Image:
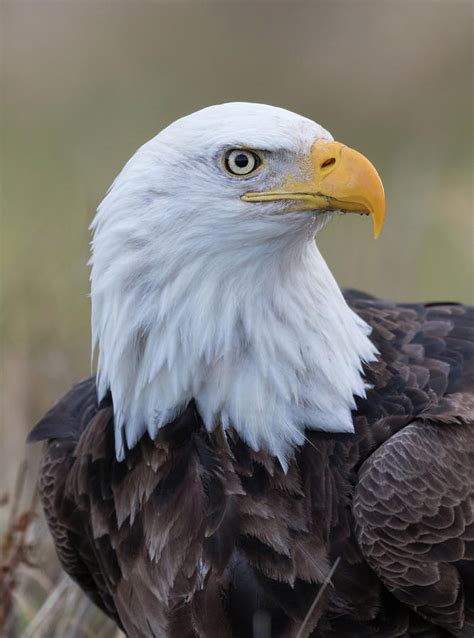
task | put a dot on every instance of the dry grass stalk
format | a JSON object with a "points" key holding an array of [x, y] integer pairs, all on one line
{"points": [[312, 609], [15, 549]]}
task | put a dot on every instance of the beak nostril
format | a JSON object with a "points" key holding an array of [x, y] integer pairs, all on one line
{"points": [[328, 162]]}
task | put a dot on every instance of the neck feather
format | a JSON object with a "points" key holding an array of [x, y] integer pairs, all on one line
{"points": [[266, 344]]}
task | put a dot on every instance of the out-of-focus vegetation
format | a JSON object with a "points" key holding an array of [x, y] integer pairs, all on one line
{"points": [[85, 83]]}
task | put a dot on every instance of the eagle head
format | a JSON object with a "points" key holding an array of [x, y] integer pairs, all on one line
{"points": [[206, 282]]}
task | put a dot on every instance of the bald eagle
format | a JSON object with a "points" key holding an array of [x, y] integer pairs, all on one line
{"points": [[260, 454]]}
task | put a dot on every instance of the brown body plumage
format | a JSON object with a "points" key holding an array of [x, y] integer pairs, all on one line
{"points": [[196, 535]]}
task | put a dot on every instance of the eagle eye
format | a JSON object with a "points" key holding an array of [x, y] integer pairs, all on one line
{"points": [[239, 161]]}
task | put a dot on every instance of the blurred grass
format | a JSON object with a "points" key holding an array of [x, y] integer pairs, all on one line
{"points": [[85, 83]]}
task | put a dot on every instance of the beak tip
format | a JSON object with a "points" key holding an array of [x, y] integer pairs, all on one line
{"points": [[378, 221]]}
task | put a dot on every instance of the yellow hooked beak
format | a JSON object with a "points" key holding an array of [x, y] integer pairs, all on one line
{"points": [[342, 179]]}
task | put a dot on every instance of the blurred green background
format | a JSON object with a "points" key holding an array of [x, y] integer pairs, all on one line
{"points": [[85, 83]]}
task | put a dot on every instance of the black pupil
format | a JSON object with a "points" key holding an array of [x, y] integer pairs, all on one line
{"points": [[241, 160]]}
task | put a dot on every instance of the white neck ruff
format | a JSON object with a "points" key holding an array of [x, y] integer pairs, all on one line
{"points": [[263, 342]]}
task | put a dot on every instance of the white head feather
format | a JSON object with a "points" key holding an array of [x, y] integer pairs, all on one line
{"points": [[198, 294]]}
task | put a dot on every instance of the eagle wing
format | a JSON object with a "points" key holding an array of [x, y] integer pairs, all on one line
{"points": [[75, 547], [414, 500], [414, 511]]}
